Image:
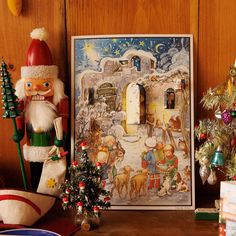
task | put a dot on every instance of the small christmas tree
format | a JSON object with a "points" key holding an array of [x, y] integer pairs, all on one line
{"points": [[84, 191], [10, 106], [218, 136], [9, 98]]}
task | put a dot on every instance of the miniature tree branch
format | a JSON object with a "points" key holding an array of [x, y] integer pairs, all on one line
{"points": [[10, 104]]}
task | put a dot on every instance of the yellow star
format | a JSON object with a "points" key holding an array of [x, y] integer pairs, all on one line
{"points": [[52, 183], [88, 47], [117, 52], [114, 40], [141, 43], [106, 49]]}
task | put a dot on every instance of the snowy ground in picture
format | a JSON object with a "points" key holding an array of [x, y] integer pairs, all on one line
{"points": [[132, 158]]}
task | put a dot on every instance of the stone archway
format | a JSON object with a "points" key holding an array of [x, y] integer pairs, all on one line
{"points": [[107, 92]]}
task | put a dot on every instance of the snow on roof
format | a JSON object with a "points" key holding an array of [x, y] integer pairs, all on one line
{"points": [[164, 76], [126, 55], [82, 74], [139, 53], [131, 52]]}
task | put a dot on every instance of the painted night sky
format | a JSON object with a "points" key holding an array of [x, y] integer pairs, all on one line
{"points": [[90, 51]]}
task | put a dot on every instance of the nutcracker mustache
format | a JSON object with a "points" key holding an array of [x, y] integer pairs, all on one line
{"points": [[40, 115], [42, 93]]}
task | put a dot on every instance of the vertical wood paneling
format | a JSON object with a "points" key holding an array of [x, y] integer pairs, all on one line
{"points": [[216, 53], [94, 17], [88, 17], [14, 43], [217, 44]]}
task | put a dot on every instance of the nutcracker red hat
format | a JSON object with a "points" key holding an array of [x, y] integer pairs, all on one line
{"points": [[39, 62]]}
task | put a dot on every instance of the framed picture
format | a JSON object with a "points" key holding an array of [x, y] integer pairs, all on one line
{"points": [[132, 101]]}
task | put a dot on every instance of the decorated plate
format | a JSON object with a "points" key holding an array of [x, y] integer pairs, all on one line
{"points": [[35, 232]]}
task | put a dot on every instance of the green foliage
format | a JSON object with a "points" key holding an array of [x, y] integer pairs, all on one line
{"points": [[213, 133], [93, 194], [9, 98]]}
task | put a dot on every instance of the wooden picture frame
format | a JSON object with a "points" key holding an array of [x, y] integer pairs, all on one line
{"points": [[132, 101]]}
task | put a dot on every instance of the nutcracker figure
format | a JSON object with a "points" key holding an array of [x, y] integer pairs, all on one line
{"points": [[41, 101]]}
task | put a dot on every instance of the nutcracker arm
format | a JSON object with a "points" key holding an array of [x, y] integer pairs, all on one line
{"points": [[63, 113], [58, 142], [59, 137]]}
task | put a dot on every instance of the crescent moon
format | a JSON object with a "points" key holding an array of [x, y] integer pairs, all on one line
{"points": [[158, 45]]}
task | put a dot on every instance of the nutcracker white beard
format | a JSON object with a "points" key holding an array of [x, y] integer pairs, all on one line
{"points": [[40, 114]]}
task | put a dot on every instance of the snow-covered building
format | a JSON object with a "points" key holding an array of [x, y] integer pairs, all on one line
{"points": [[132, 84], [115, 75]]}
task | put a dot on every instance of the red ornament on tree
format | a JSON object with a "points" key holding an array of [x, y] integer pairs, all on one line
{"points": [[65, 200], [98, 165], [233, 141], [234, 178], [80, 205], [96, 209], [67, 191], [203, 136], [84, 145], [107, 199], [81, 185], [74, 164]]}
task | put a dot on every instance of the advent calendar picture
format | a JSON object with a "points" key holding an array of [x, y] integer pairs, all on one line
{"points": [[132, 103]]}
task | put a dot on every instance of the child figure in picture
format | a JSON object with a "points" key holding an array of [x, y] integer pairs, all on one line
{"points": [[170, 162], [153, 177]]}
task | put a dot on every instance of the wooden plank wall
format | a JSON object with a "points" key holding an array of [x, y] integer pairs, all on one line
{"points": [[211, 23], [216, 44]]}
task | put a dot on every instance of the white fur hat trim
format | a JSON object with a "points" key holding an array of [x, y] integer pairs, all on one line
{"points": [[39, 33], [28, 72], [151, 142], [36, 154]]}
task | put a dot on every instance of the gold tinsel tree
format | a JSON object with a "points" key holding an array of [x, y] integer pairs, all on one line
{"points": [[218, 136]]}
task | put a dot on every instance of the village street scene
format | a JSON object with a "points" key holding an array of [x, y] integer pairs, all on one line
{"points": [[134, 110]]}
